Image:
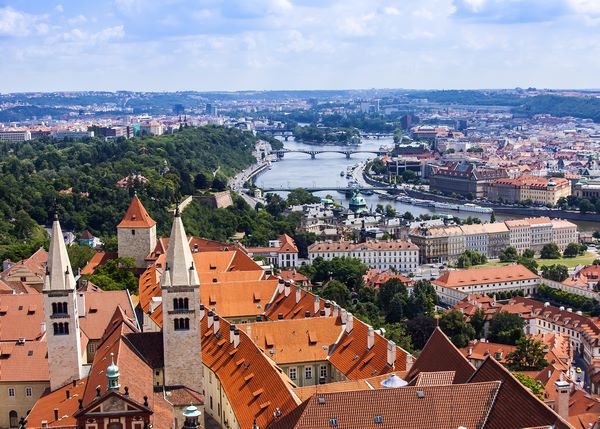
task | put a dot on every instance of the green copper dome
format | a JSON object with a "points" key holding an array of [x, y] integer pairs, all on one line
{"points": [[357, 203], [191, 411], [112, 374]]}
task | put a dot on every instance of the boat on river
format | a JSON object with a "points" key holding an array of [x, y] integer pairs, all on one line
{"points": [[469, 207]]}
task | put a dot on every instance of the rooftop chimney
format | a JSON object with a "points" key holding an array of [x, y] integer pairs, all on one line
{"points": [[68, 392], [210, 318], [307, 313], [370, 338], [409, 361], [279, 316], [280, 285], [327, 309], [335, 311], [561, 405], [56, 414], [344, 316], [317, 304], [287, 288], [298, 294], [391, 353], [349, 323], [236, 337], [42, 328], [202, 311], [231, 331], [216, 323]]}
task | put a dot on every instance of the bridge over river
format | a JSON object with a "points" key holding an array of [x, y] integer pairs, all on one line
{"points": [[313, 153]]}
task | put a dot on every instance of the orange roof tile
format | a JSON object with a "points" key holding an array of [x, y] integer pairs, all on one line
{"points": [[485, 275], [24, 362], [136, 216], [43, 410]]}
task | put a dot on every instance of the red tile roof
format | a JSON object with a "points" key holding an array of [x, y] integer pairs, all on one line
{"points": [[99, 258], [515, 407], [424, 407], [439, 354], [43, 410], [486, 275], [136, 216], [24, 362]]}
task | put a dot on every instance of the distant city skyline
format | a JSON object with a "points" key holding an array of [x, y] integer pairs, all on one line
{"points": [[211, 45]]}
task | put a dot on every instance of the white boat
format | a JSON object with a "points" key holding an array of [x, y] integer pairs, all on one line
{"points": [[474, 208], [445, 206]]}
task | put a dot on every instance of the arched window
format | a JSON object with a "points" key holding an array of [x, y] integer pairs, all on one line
{"points": [[186, 324], [182, 324], [13, 418], [59, 308], [176, 323], [186, 304], [66, 328], [54, 308], [175, 303], [61, 328]]}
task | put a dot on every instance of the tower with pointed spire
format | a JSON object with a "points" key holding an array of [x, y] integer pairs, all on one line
{"points": [[61, 315], [181, 313], [136, 233]]}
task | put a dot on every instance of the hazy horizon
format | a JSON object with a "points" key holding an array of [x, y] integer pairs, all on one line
{"points": [[285, 45]]}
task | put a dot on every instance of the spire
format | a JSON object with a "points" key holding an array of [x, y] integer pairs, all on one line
{"points": [[112, 374], [179, 260], [136, 216], [59, 273]]}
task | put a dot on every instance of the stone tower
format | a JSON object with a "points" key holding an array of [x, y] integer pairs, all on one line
{"points": [[136, 233], [181, 313], [61, 315]]}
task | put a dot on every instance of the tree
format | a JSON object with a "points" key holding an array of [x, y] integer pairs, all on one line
{"points": [[79, 256], [338, 292], [398, 334], [571, 250], [116, 274], [408, 216], [393, 288], [390, 211], [301, 196], [528, 356], [456, 328], [423, 299], [420, 329], [596, 262], [396, 308], [528, 253], [470, 257], [505, 328], [203, 180], [536, 386], [550, 251], [529, 263], [555, 272], [349, 271], [510, 254], [24, 225], [477, 321], [493, 217]]}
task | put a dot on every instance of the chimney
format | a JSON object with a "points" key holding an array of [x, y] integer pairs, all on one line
{"points": [[307, 313], [279, 316], [68, 392], [202, 311], [74, 384], [317, 304], [349, 323], [287, 288], [391, 353], [210, 318], [470, 351], [298, 294], [42, 327], [81, 304], [344, 316], [280, 285], [327, 309], [561, 405], [56, 414], [370, 338], [236, 337], [409, 361], [216, 323], [231, 331], [336, 310]]}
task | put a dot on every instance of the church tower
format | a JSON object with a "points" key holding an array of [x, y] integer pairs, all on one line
{"points": [[136, 233], [181, 313], [61, 315]]}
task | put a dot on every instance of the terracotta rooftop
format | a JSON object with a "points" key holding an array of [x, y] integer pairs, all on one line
{"points": [[99, 258], [295, 340], [24, 362], [486, 275], [515, 407], [348, 246], [424, 407], [21, 316], [136, 216], [43, 410], [439, 354]]}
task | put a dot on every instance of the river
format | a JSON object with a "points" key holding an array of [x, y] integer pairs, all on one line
{"points": [[299, 170]]}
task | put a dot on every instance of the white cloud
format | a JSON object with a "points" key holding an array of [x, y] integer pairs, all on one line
{"points": [[475, 5], [391, 11], [19, 24]]}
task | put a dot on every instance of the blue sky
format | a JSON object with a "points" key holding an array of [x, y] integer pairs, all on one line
{"points": [[49, 45]]}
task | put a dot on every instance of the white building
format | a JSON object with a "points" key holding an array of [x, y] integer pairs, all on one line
{"points": [[398, 254], [15, 136]]}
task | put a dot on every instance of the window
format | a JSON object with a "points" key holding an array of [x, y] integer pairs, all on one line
{"points": [[182, 324], [292, 373], [308, 372], [323, 372], [59, 308], [133, 232], [181, 304], [11, 392], [28, 391], [61, 328]]}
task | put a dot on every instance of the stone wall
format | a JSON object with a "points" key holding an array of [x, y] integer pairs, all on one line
{"points": [[136, 243]]}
